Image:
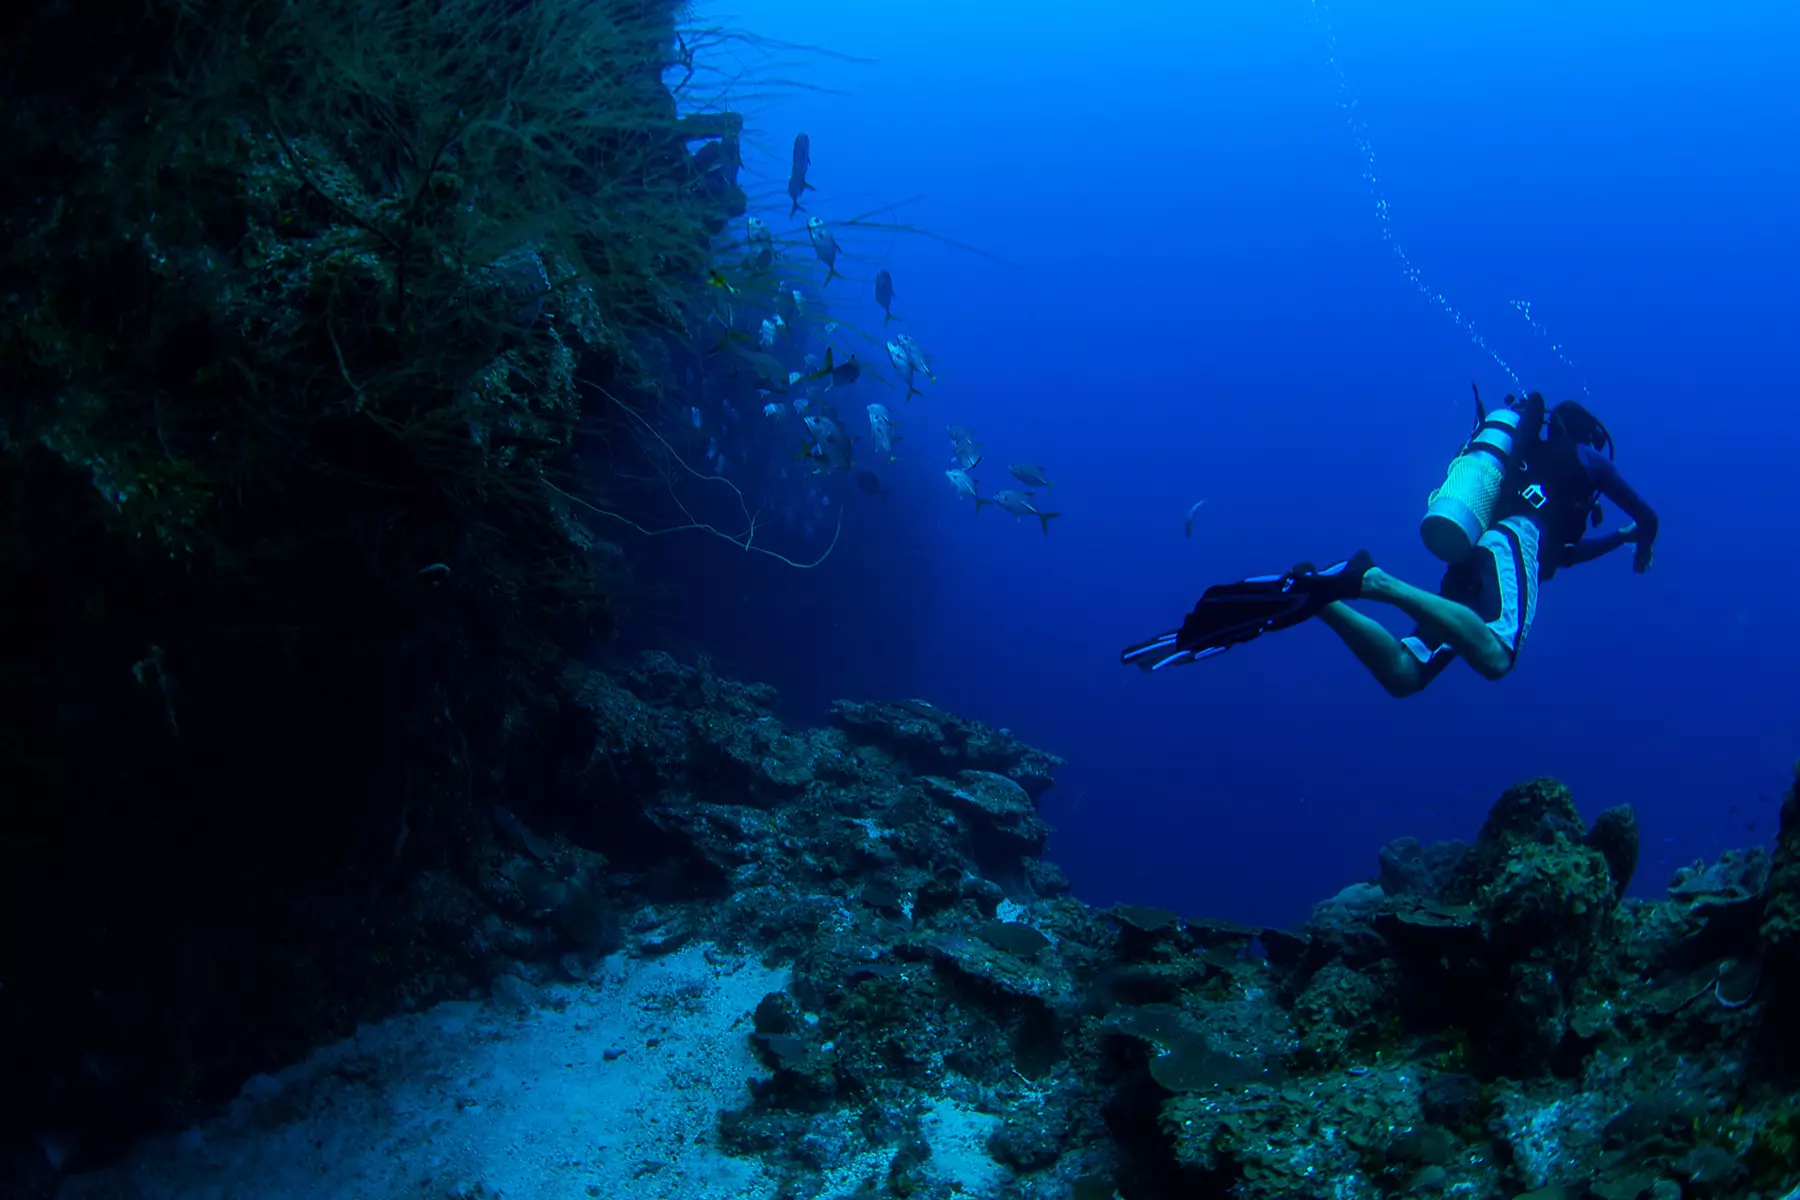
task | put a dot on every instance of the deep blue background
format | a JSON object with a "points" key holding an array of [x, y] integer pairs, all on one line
{"points": [[1203, 305]]}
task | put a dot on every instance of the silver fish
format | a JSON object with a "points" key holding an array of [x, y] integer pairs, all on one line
{"points": [[830, 445], [964, 485], [915, 356], [824, 245], [965, 451], [903, 363], [1020, 505], [1029, 475], [881, 430]]}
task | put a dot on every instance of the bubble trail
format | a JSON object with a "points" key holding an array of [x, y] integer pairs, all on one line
{"points": [[1523, 308], [1359, 132]]}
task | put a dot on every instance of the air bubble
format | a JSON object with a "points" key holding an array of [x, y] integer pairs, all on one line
{"points": [[1384, 216]]}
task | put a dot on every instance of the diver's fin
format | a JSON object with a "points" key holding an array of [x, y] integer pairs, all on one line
{"points": [[1229, 614], [1161, 652]]}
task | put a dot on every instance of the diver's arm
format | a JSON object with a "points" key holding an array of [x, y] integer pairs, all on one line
{"points": [[1612, 485], [1590, 548]]}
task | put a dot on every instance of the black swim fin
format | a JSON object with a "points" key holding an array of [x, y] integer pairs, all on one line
{"points": [[1229, 614]]}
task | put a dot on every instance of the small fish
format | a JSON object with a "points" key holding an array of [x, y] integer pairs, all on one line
{"points": [[830, 445], [801, 404], [765, 336], [867, 481], [1020, 505], [884, 294], [965, 451], [881, 430], [773, 409], [760, 241], [903, 363], [797, 185], [716, 278], [824, 245], [1190, 517], [915, 356], [694, 416], [1029, 475], [965, 486], [840, 373]]}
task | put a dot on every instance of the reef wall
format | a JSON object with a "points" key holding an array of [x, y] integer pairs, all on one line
{"points": [[318, 326]]}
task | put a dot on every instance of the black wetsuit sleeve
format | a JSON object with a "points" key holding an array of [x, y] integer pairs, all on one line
{"points": [[1610, 484], [1590, 548]]}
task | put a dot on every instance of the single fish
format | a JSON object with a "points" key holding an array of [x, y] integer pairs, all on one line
{"points": [[867, 481], [765, 336], [797, 185], [694, 416], [773, 409], [884, 294], [965, 486], [1020, 505], [915, 356], [760, 241], [841, 374], [825, 246], [881, 430], [1029, 475], [1190, 516], [965, 451], [903, 364], [830, 445]]}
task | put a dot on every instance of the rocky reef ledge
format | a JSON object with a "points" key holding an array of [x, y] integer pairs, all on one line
{"points": [[728, 958]]}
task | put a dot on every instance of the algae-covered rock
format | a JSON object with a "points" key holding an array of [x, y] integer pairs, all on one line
{"points": [[930, 740], [1614, 834], [1411, 869]]}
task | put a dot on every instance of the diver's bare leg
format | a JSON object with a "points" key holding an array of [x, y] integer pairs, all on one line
{"points": [[1458, 624], [1392, 664]]}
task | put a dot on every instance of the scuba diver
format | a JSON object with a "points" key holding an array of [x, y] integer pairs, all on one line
{"points": [[1515, 507]]}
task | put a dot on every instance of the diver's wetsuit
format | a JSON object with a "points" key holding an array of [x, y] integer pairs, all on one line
{"points": [[1499, 581]]}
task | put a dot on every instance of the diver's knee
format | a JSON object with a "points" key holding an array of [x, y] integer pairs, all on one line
{"points": [[1403, 679], [1493, 662]]}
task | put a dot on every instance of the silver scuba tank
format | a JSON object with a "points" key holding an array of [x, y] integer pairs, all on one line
{"points": [[1462, 508]]}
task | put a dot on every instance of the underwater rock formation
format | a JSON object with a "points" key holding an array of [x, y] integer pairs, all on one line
{"points": [[1487, 1020]]}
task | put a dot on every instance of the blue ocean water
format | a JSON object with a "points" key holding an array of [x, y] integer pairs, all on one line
{"points": [[1199, 298]]}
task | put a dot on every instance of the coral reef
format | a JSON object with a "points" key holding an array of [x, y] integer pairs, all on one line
{"points": [[1485, 1019], [303, 309]]}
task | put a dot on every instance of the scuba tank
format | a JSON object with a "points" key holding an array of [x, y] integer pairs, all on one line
{"points": [[1464, 506]]}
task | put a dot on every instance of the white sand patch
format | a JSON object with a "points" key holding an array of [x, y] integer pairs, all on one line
{"points": [[469, 1100], [958, 1139]]}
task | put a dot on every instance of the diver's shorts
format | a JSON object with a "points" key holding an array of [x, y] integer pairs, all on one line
{"points": [[1499, 580]]}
